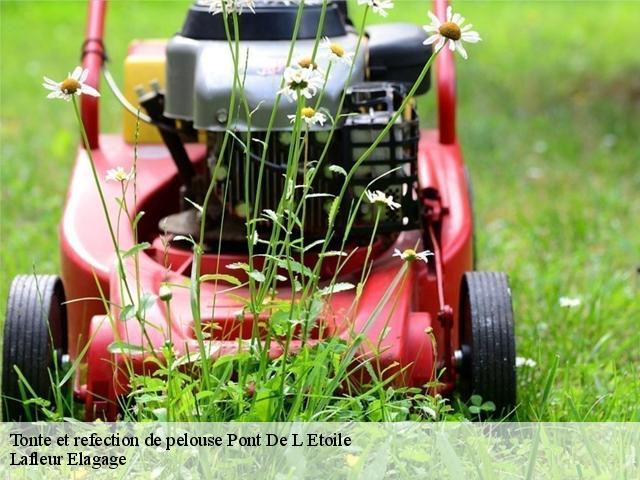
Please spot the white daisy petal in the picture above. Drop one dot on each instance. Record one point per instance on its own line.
(83, 77)
(89, 90)
(434, 20)
(381, 199)
(76, 73)
(461, 49)
(431, 39)
(378, 6)
(471, 37)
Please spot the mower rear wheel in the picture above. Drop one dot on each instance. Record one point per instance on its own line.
(35, 337)
(487, 354)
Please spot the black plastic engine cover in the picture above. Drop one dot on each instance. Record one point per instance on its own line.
(397, 54)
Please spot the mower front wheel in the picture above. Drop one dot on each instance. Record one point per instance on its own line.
(34, 343)
(486, 359)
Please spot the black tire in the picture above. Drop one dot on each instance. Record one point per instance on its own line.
(487, 339)
(34, 334)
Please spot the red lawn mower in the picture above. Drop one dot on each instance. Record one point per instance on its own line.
(183, 87)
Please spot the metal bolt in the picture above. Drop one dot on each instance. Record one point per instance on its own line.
(155, 85)
(458, 357)
(222, 115)
(140, 91)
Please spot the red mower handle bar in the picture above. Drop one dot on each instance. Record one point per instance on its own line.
(93, 54)
(446, 85)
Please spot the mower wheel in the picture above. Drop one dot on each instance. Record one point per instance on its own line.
(35, 337)
(487, 355)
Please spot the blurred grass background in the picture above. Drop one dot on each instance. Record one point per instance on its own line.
(549, 121)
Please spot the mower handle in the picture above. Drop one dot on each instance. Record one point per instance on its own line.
(93, 54)
(446, 85)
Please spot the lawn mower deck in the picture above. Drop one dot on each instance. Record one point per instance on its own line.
(442, 317)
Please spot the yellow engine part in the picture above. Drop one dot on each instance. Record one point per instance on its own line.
(145, 63)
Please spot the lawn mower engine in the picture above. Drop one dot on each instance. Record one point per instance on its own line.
(200, 82)
(443, 322)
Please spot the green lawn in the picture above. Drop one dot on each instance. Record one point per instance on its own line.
(549, 115)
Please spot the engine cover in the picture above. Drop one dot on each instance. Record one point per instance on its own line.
(200, 77)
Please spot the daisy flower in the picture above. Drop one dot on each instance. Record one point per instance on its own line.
(381, 199)
(568, 302)
(118, 174)
(336, 52)
(410, 255)
(305, 61)
(228, 6)
(525, 362)
(301, 81)
(310, 116)
(450, 31)
(378, 6)
(164, 293)
(74, 84)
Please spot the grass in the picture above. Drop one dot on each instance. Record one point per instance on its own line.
(548, 118)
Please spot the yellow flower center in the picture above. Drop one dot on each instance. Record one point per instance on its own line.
(409, 255)
(308, 112)
(70, 86)
(306, 62)
(450, 30)
(337, 50)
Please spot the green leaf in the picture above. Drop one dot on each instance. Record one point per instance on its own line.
(262, 405)
(124, 348)
(183, 238)
(319, 195)
(194, 204)
(313, 245)
(488, 406)
(238, 266)
(334, 209)
(136, 220)
(128, 312)
(296, 267)
(221, 278)
(279, 322)
(476, 400)
(161, 414)
(336, 288)
(474, 410)
(136, 249)
(147, 301)
(204, 394)
(338, 169)
(257, 276)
